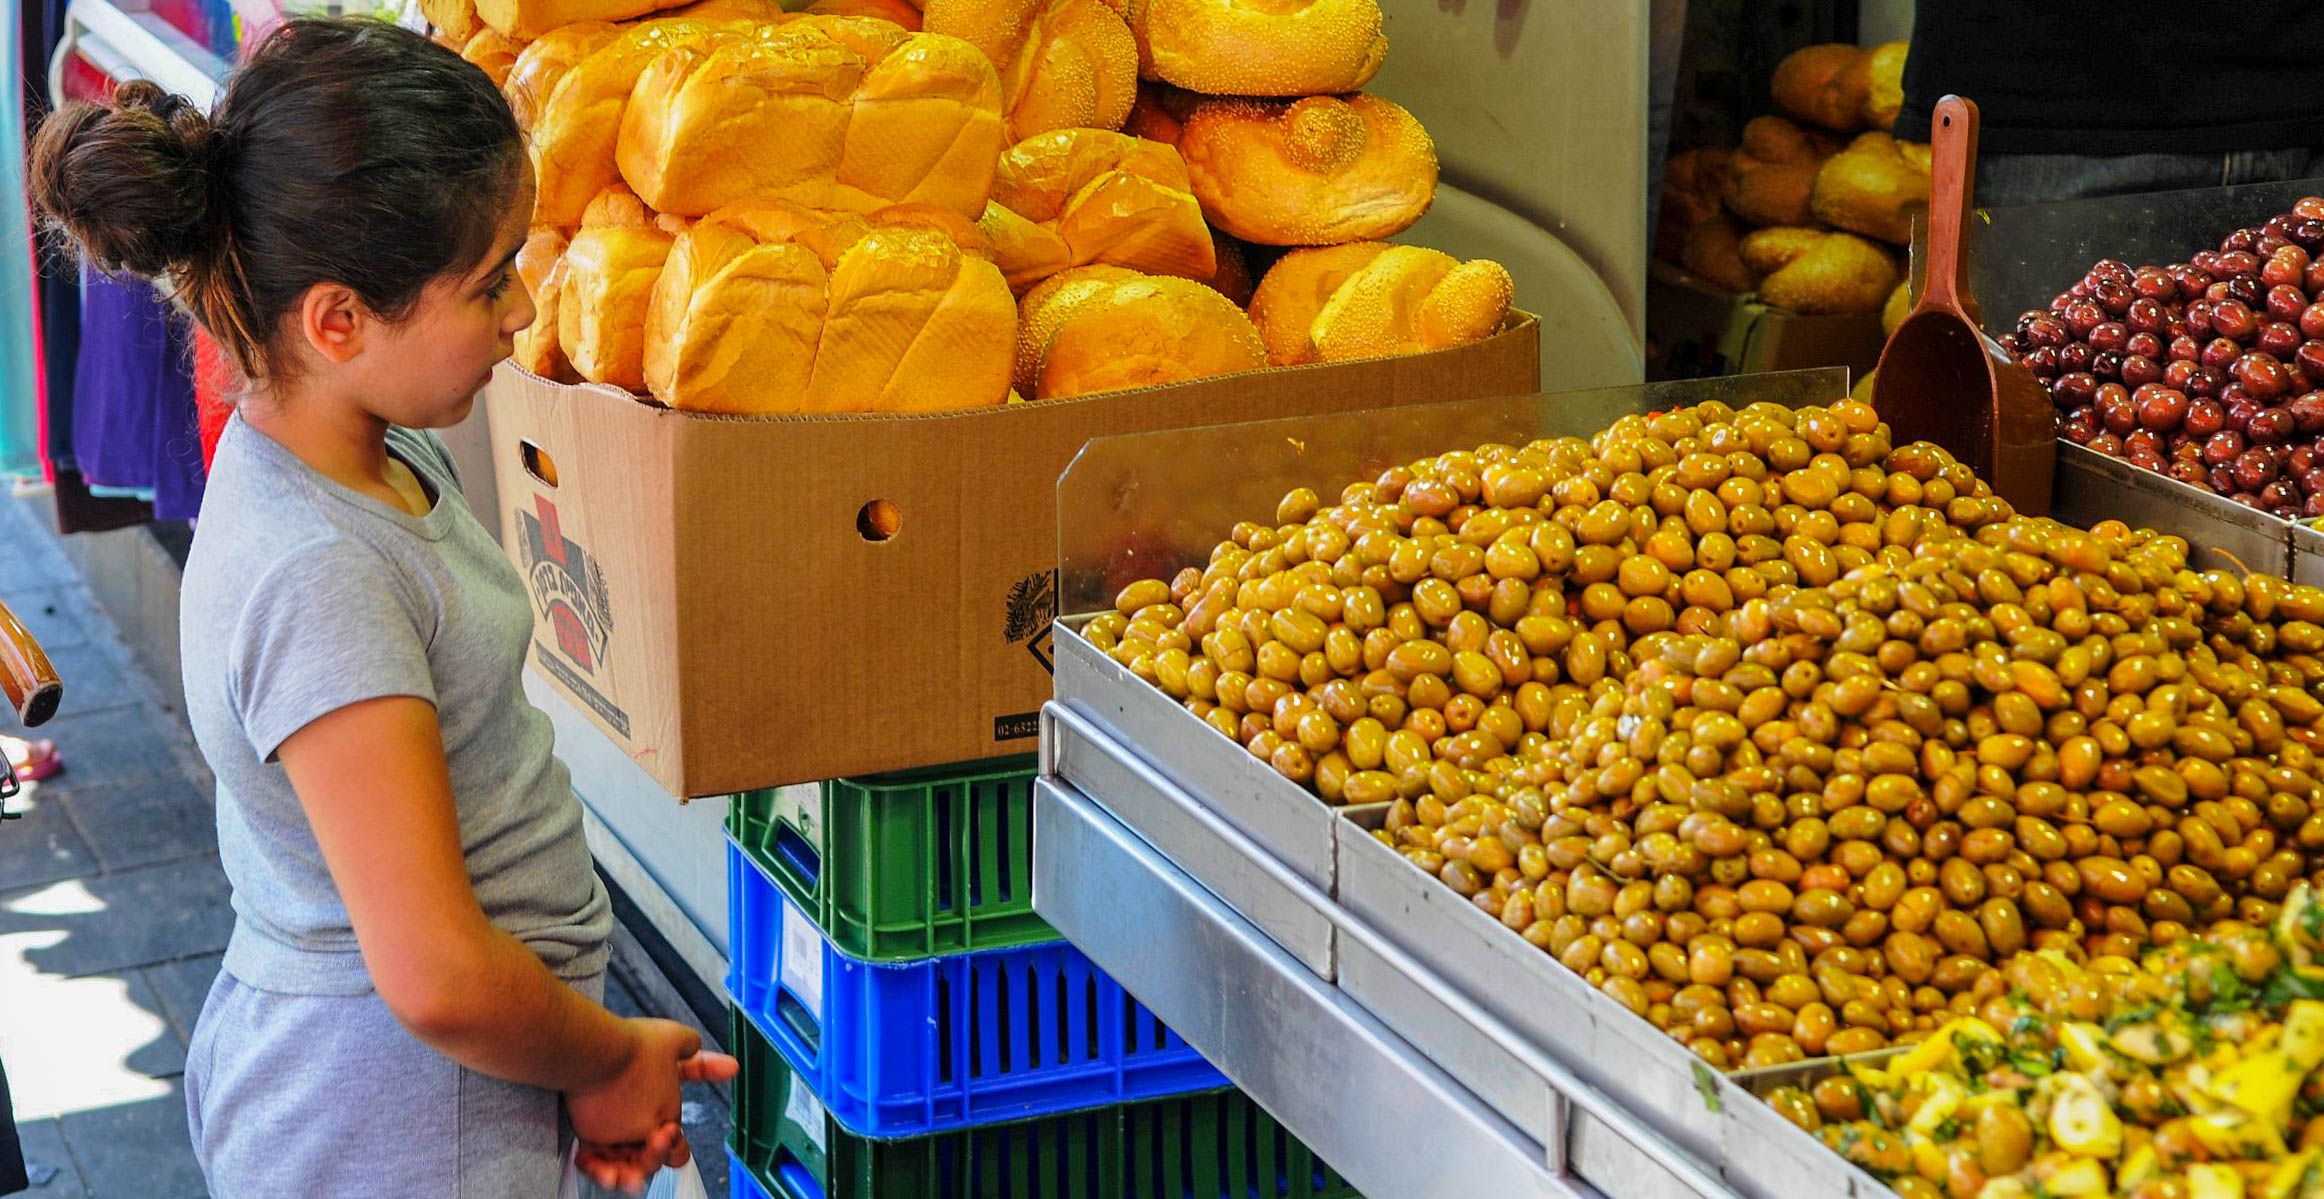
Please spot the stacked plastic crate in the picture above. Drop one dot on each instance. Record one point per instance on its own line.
(908, 1027)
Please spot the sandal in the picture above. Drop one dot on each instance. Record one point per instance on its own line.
(33, 761)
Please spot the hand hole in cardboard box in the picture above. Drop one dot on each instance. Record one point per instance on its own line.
(878, 520)
(538, 464)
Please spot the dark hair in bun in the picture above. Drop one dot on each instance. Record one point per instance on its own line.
(347, 151)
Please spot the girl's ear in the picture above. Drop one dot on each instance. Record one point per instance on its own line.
(333, 321)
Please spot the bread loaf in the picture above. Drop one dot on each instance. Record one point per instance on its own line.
(526, 20)
(1099, 328)
(780, 308)
(610, 270)
(1311, 172)
(575, 133)
(837, 112)
(543, 63)
(1265, 48)
(1840, 87)
(1770, 178)
(1816, 273)
(1874, 187)
(1373, 300)
(540, 265)
(1026, 252)
(493, 53)
(1110, 198)
(1063, 64)
(896, 11)
(456, 20)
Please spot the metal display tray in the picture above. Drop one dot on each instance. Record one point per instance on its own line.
(2091, 487)
(2307, 556)
(1575, 1080)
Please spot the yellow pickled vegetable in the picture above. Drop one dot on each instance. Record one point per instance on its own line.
(2081, 1120)
(2214, 1182)
(2262, 1085)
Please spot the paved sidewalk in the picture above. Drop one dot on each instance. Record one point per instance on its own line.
(113, 914)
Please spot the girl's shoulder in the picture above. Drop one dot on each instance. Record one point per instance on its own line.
(423, 449)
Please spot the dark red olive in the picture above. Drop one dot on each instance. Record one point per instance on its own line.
(2299, 460)
(2108, 335)
(2254, 468)
(2146, 444)
(2312, 481)
(2138, 369)
(2192, 278)
(2239, 261)
(2286, 301)
(2153, 283)
(2114, 296)
(2222, 448)
(2107, 444)
(2083, 316)
(2078, 428)
(2075, 356)
(2045, 331)
(2205, 418)
(2263, 375)
(2287, 267)
(2106, 364)
(2233, 319)
(2220, 353)
(2198, 317)
(2308, 232)
(2280, 338)
(2307, 412)
(2240, 405)
(2145, 345)
(2080, 387)
(2204, 381)
(2161, 408)
(2246, 289)
(2220, 479)
(2042, 361)
(2190, 473)
(2270, 426)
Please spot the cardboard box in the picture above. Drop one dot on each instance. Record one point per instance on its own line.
(746, 602)
(1695, 329)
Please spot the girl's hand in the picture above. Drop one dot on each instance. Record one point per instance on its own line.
(629, 1123)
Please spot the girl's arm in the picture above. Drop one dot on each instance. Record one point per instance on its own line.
(375, 786)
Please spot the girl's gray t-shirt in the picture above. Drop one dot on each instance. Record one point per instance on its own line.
(302, 597)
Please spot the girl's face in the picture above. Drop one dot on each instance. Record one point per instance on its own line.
(424, 372)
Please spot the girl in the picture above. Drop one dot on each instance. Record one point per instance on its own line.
(419, 940)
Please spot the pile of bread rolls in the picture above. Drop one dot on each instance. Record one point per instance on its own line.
(1811, 210)
(925, 205)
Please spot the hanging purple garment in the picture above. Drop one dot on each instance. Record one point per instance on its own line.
(135, 427)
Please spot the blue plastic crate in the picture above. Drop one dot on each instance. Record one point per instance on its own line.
(904, 1050)
(740, 1182)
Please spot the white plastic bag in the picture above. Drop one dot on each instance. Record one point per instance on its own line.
(682, 1182)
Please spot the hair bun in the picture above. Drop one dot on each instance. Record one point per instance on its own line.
(133, 181)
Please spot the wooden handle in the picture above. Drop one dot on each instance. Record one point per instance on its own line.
(25, 673)
(1952, 190)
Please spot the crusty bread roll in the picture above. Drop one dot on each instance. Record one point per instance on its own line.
(1260, 47)
(1772, 175)
(577, 128)
(1373, 300)
(610, 270)
(1817, 274)
(1873, 187)
(1311, 172)
(1296, 288)
(1883, 69)
(838, 112)
(456, 20)
(1714, 250)
(541, 266)
(1112, 198)
(526, 20)
(1026, 252)
(543, 63)
(780, 308)
(896, 11)
(1100, 328)
(1814, 84)
(492, 52)
(915, 324)
(1063, 64)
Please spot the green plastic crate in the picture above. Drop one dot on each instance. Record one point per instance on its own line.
(897, 867)
(1216, 1145)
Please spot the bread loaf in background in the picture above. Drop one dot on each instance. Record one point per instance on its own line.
(1312, 172)
(1109, 198)
(1063, 64)
(1102, 328)
(1239, 48)
(1375, 299)
(525, 20)
(849, 113)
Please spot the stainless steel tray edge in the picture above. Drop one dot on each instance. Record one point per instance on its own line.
(1385, 1116)
(2307, 556)
(2091, 487)
(1289, 908)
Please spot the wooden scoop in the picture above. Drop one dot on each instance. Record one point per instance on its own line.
(1940, 378)
(25, 674)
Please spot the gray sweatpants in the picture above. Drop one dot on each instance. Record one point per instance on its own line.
(309, 1095)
